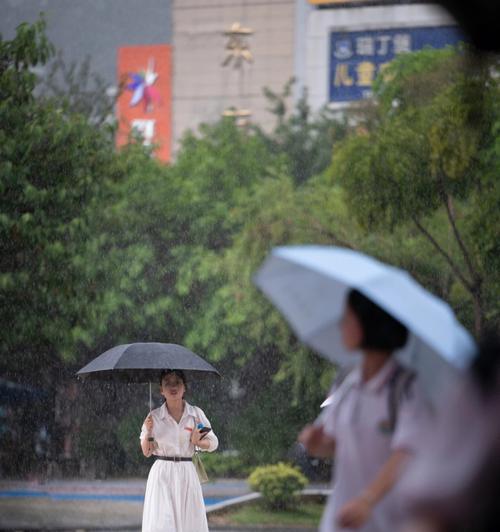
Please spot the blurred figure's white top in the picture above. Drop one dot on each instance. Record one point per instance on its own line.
(358, 419)
(454, 450)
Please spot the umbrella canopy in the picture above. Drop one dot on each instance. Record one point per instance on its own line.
(142, 362)
(309, 285)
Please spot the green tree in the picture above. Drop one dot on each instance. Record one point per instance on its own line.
(304, 137)
(53, 166)
(244, 334)
(129, 258)
(81, 90)
(101, 248)
(427, 161)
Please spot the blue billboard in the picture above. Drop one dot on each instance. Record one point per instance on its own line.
(356, 57)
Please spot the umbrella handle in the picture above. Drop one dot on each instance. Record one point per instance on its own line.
(149, 396)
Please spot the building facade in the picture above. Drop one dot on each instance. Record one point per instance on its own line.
(93, 28)
(225, 53)
(347, 45)
(113, 35)
(184, 62)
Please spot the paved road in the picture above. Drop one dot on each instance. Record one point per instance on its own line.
(78, 505)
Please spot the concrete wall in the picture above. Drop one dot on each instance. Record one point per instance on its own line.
(203, 88)
(94, 28)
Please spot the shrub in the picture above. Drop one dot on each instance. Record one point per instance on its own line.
(127, 433)
(225, 464)
(278, 484)
(271, 417)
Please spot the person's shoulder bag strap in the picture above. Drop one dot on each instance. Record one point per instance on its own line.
(399, 387)
(198, 463)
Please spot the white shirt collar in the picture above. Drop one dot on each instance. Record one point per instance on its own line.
(379, 380)
(189, 410)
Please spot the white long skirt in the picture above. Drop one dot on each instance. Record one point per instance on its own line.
(173, 501)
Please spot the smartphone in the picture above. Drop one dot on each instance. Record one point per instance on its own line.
(204, 431)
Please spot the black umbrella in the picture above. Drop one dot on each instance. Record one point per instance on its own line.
(142, 362)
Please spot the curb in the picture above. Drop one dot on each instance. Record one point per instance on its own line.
(233, 502)
(240, 501)
(253, 528)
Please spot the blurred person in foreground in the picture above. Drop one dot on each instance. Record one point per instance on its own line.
(454, 484)
(173, 501)
(371, 424)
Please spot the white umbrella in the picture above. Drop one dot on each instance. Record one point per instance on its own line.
(309, 285)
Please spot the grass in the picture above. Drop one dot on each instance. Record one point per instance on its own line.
(304, 514)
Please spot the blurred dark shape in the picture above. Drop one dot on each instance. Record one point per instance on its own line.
(454, 485)
(480, 499)
(479, 20)
(12, 392)
(486, 367)
(315, 469)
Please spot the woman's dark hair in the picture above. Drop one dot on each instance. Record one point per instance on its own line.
(177, 372)
(380, 329)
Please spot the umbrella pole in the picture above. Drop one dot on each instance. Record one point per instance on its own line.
(149, 396)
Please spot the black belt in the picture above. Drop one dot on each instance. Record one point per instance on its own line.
(174, 458)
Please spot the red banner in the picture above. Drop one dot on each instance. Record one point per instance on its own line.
(145, 104)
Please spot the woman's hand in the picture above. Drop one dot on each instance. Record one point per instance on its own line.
(197, 438)
(310, 435)
(146, 445)
(148, 422)
(316, 442)
(355, 513)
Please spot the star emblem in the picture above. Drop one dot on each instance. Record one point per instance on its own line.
(143, 89)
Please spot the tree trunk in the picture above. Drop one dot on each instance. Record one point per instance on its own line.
(474, 287)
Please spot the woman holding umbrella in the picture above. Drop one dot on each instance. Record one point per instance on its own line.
(370, 445)
(174, 500)
(373, 423)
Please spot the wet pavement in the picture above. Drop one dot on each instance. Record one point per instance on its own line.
(84, 506)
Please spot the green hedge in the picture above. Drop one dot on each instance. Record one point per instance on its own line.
(225, 464)
(127, 433)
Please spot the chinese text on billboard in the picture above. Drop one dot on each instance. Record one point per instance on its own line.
(357, 57)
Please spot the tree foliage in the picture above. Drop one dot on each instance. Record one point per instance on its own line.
(53, 166)
(304, 137)
(102, 247)
(428, 159)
